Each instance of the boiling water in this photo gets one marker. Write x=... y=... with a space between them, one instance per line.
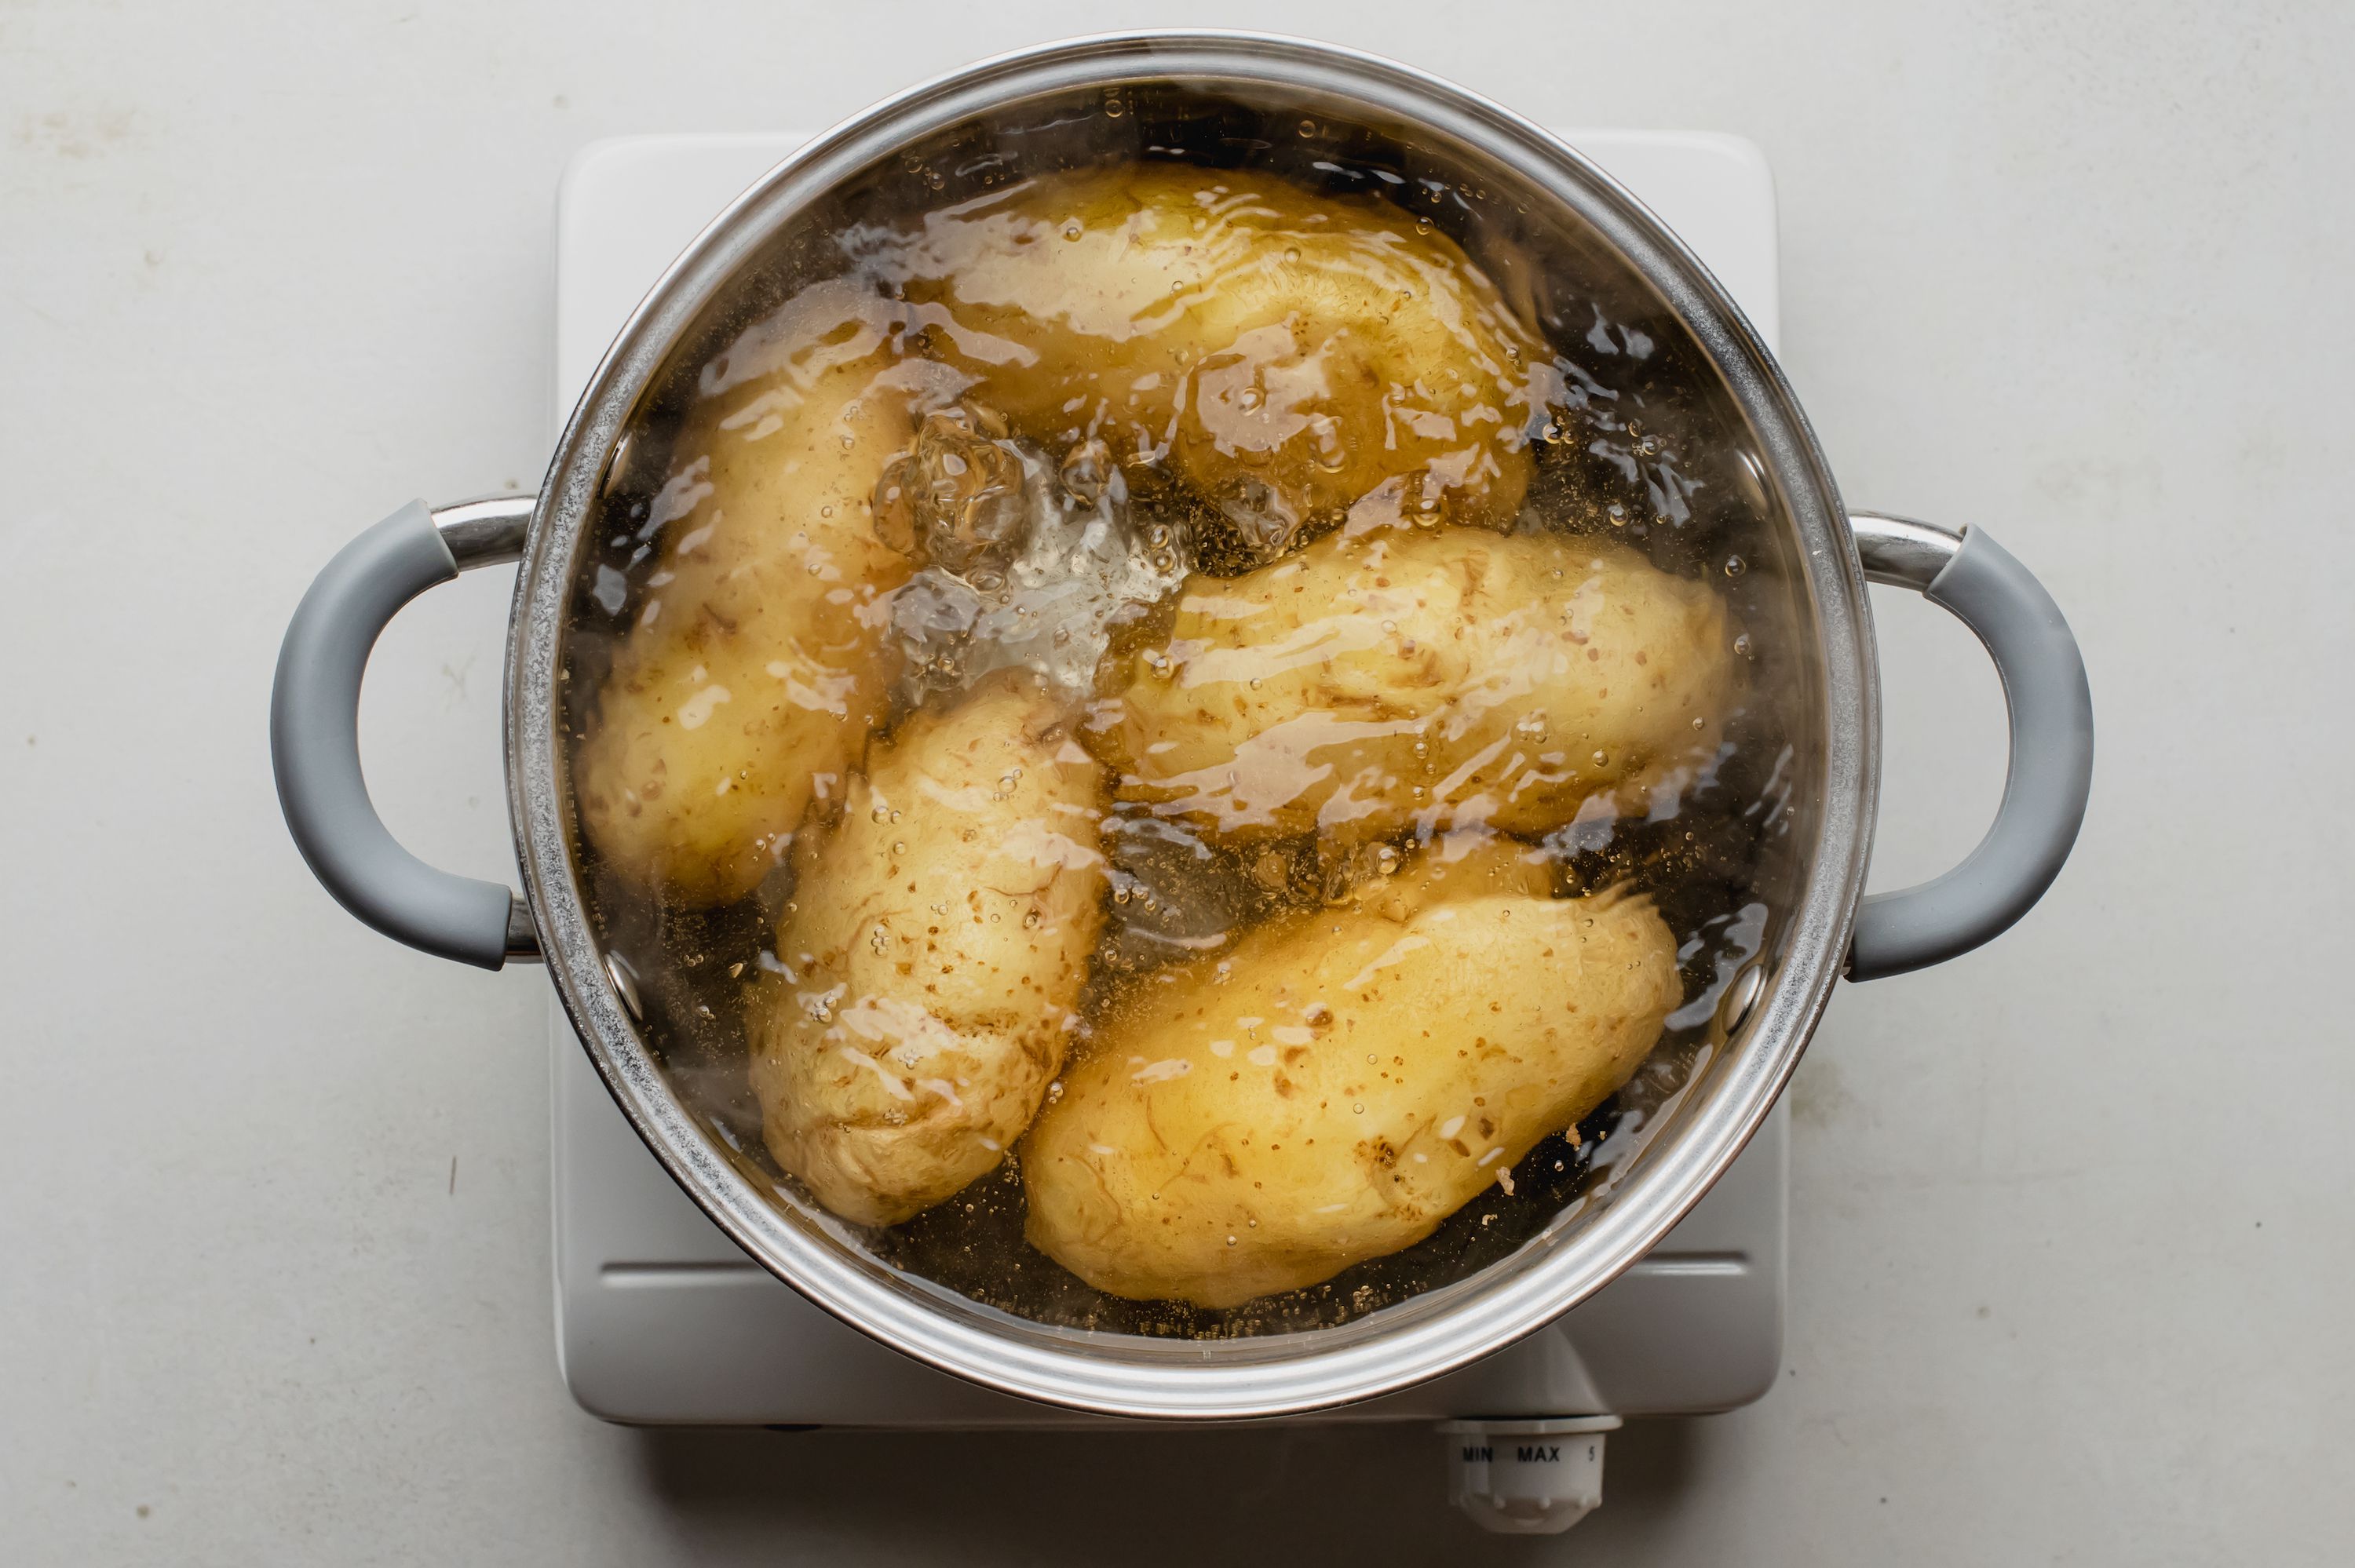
x=1054 y=555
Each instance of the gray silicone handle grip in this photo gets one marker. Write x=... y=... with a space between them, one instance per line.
x=314 y=748
x=2051 y=770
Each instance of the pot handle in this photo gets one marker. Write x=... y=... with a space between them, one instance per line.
x=2051 y=770
x=314 y=736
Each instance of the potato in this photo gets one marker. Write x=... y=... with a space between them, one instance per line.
x=757 y=662
x=933 y=954
x=1295 y=353
x=1387 y=677
x=1339 y=1084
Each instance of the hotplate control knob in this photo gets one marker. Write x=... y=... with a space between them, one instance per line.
x=1526 y=1476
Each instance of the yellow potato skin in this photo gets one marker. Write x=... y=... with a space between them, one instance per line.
x=757 y=662
x=1299 y=353
x=1335 y=1088
x=1393 y=677
x=932 y=955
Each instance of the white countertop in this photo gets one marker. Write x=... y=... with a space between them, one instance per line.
x=2072 y=1240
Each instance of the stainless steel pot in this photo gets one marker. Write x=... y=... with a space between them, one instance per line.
x=1829 y=930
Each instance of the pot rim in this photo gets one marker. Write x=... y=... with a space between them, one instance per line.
x=1437 y=1331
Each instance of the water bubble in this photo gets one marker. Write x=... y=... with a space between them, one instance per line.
x=1735 y=566
x=1330 y=453
x=1308 y=127
x=960 y=492
x=1744 y=646
x=893 y=505
x=1086 y=470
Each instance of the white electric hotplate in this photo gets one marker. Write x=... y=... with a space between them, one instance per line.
x=661 y=1318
